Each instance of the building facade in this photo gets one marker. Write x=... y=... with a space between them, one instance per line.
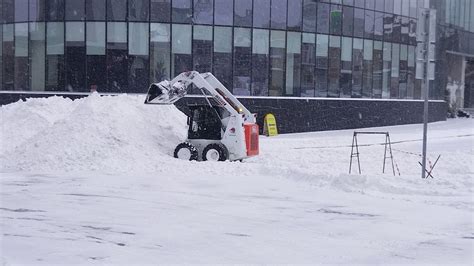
x=274 y=49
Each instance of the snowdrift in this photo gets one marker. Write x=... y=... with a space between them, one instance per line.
x=108 y=133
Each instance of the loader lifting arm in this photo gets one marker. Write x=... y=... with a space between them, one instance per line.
x=168 y=92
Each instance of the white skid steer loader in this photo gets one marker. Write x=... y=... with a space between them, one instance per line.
x=217 y=131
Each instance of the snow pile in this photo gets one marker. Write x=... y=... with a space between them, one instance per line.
x=109 y=133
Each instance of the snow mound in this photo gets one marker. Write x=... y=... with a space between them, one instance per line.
x=108 y=133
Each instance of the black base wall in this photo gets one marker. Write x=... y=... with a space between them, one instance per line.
x=304 y=115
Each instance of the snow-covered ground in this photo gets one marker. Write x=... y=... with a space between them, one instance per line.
x=92 y=181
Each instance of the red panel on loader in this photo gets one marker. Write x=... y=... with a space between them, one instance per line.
x=251 y=139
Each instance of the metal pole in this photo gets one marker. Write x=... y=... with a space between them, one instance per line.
x=427 y=83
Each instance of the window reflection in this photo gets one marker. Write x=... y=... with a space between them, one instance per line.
x=242 y=61
x=182 y=11
x=260 y=62
x=278 y=14
x=37 y=47
x=160 y=52
x=293 y=63
x=223 y=55
x=203 y=11
x=322 y=52
x=224 y=12
x=308 y=64
x=181 y=59
x=243 y=13
x=160 y=10
x=277 y=62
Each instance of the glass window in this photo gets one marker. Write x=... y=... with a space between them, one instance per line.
x=37 y=8
x=138 y=70
x=261 y=14
x=181 y=46
x=203 y=11
x=95 y=9
x=278 y=14
x=277 y=62
x=55 y=10
x=75 y=9
x=8 y=12
x=243 y=13
x=37 y=57
x=242 y=61
x=55 y=38
x=75 y=31
x=471 y=24
x=21 y=10
x=348 y=21
x=323 y=18
x=379 y=5
x=308 y=65
x=336 y=19
x=95 y=39
x=160 y=10
x=309 y=15
x=293 y=63
x=387 y=69
x=322 y=53
x=334 y=66
x=55 y=75
x=389 y=6
x=182 y=11
x=160 y=52
x=379 y=26
x=137 y=36
x=116 y=32
x=346 y=67
x=388 y=27
x=413 y=9
x=406 y=8
x=138 y=10
x=397 y=29
x=395 y=70
x=21 y=56
x=359 y=3
x=357 y=67
x=75 y=56
x=223 y=55
x=295 y=19
x=370 y=4
x=260 y=62
x=348 y=2
x=359 y=25
x=21 y=39
x=202 y=49
x=378 y=69
x=411 y=72
x=8 y=56
x=224 y=10
x=369 y=24
x=405 y=30
x=117 y=57
x=397 y=7
x=368 y=69
x=403 y=77
x=116 y=10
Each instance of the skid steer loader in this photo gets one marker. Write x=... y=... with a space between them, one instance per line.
x=222 y=129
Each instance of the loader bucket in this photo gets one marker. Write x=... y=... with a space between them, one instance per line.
x=164 y=93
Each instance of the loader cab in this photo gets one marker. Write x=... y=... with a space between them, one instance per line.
x=204 y=122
